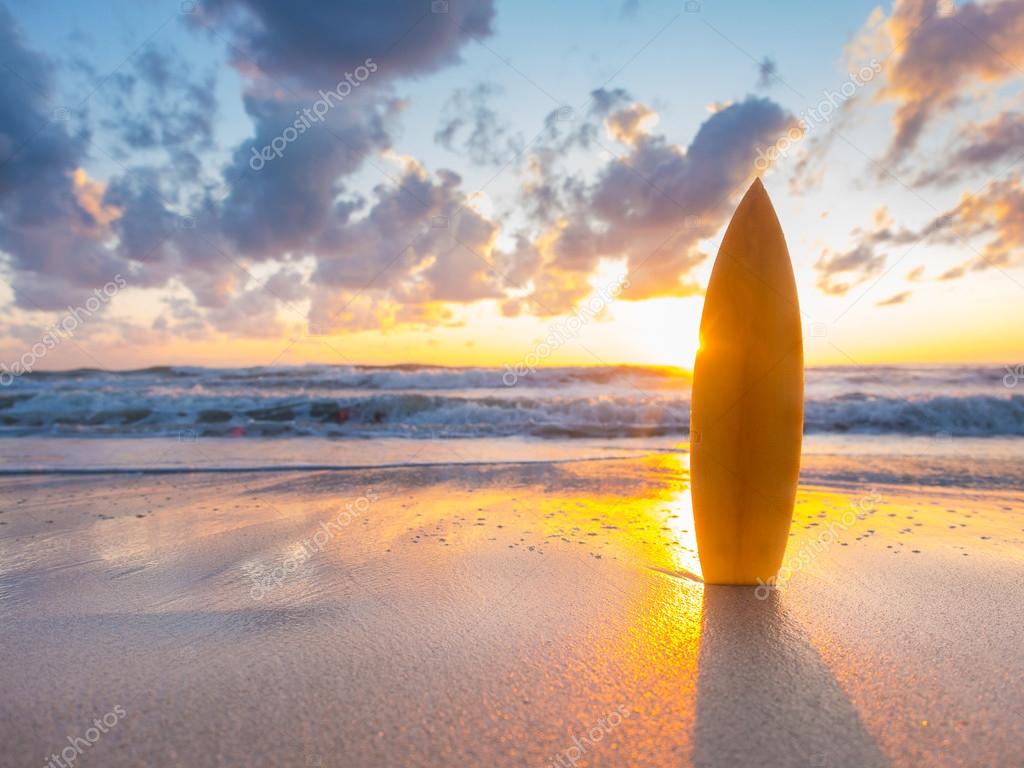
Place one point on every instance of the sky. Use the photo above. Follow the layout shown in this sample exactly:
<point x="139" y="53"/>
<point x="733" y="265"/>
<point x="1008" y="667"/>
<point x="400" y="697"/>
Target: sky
<point x="250" y="182"/>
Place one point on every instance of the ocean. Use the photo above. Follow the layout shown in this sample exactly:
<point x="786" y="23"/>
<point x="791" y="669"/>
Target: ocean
<point x="178" y="418"/>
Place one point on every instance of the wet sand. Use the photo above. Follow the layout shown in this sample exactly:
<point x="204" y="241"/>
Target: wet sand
<point x="499" y="615"/>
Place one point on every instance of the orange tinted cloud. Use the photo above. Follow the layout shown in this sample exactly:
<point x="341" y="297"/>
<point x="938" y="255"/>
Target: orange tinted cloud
<point x="937" y="50"/>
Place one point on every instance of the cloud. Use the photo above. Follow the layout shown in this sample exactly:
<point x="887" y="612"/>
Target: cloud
<point x="993" y="217"/>
<point x="293" y="204"/>
<point x="66" y="233"/>
<point x="521" y="262"/>
<point x="979" y="148"/>
<point x="653" y="204"/>
<point x="604" y="100"/>
<point x="283" y="205"/>
<point x="839" y="272"/>
<point x="145" y="227"/>
<point x="899" y="298"/>
<point x="939" y="52"/>
<point x="259" y="238"/>
<point x="252" y="312"/>
<point x="296" y="205"/>
<point x="629" y="124"/>
<point x="52" y="221"/>
<point x="315" y="43"/>
<point x="916" y="274"/>
<point x="629" y="9"/>
<point x="154" y="103"/>
<point x="157" y="224"/>
<point x="767" y="73"/>
<point x="420" y="242"/>
<point x="471" y="126"/>
<point x="934" y="57"/>
<point x="953" y="273"/>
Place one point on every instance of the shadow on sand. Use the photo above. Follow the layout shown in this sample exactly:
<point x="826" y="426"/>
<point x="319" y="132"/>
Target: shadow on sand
<point x="764" y="695"/>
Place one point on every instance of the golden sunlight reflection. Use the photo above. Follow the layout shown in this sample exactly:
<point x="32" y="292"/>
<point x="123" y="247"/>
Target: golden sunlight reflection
<point x="653" y="526"/>
<point x="680" y="523"/>
<point x="671" y="515"/>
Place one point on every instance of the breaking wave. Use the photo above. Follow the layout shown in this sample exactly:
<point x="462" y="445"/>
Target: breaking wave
<point x="437" y="402"/>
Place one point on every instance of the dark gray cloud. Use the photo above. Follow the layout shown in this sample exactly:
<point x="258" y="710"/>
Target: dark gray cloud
<point x="767" y="72"/>
<point x="419" y="243"/>
<point x="414" y="245"/>
<point x="604" y="100"/>
<point x="155" y="103"/>
<point x="472" y="127"/>
<point x="284" y="204"/>
<point x="67" y="234"/>
<point x="156" y="223"/>
<point x="157" y="68"/>
<point x="295" y="203"/>
<point x="316" y="42"/>
<point x="48" y="224"/>
<point x="146" y="226"/>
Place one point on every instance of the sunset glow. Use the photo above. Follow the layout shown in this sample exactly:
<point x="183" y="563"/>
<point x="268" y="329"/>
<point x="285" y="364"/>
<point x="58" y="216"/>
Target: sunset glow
<point x="479" y="211"/>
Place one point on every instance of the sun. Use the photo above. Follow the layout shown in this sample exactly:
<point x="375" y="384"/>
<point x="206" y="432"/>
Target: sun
<point x="659" y="331"/>
<point x="662" y="331"/>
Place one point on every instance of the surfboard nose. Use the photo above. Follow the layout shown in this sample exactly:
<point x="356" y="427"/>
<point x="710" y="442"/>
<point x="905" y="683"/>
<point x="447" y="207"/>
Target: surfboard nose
<point x="756" y="204"/>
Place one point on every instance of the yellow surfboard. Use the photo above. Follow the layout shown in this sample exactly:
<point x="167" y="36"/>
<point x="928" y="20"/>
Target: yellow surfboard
<point x="746" y="421"/>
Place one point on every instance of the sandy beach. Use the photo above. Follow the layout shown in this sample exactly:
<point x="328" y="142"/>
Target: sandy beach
<point x="541" y="614"/>
<point x="367" y="371"/>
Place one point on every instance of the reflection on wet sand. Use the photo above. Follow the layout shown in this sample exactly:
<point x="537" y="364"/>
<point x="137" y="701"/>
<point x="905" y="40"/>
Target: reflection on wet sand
<point x="496" y="615"/>
<point x="762" y="689"/>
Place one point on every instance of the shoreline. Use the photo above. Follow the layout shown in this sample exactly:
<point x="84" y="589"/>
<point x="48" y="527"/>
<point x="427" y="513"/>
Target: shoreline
<point x="991" y="464"/>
